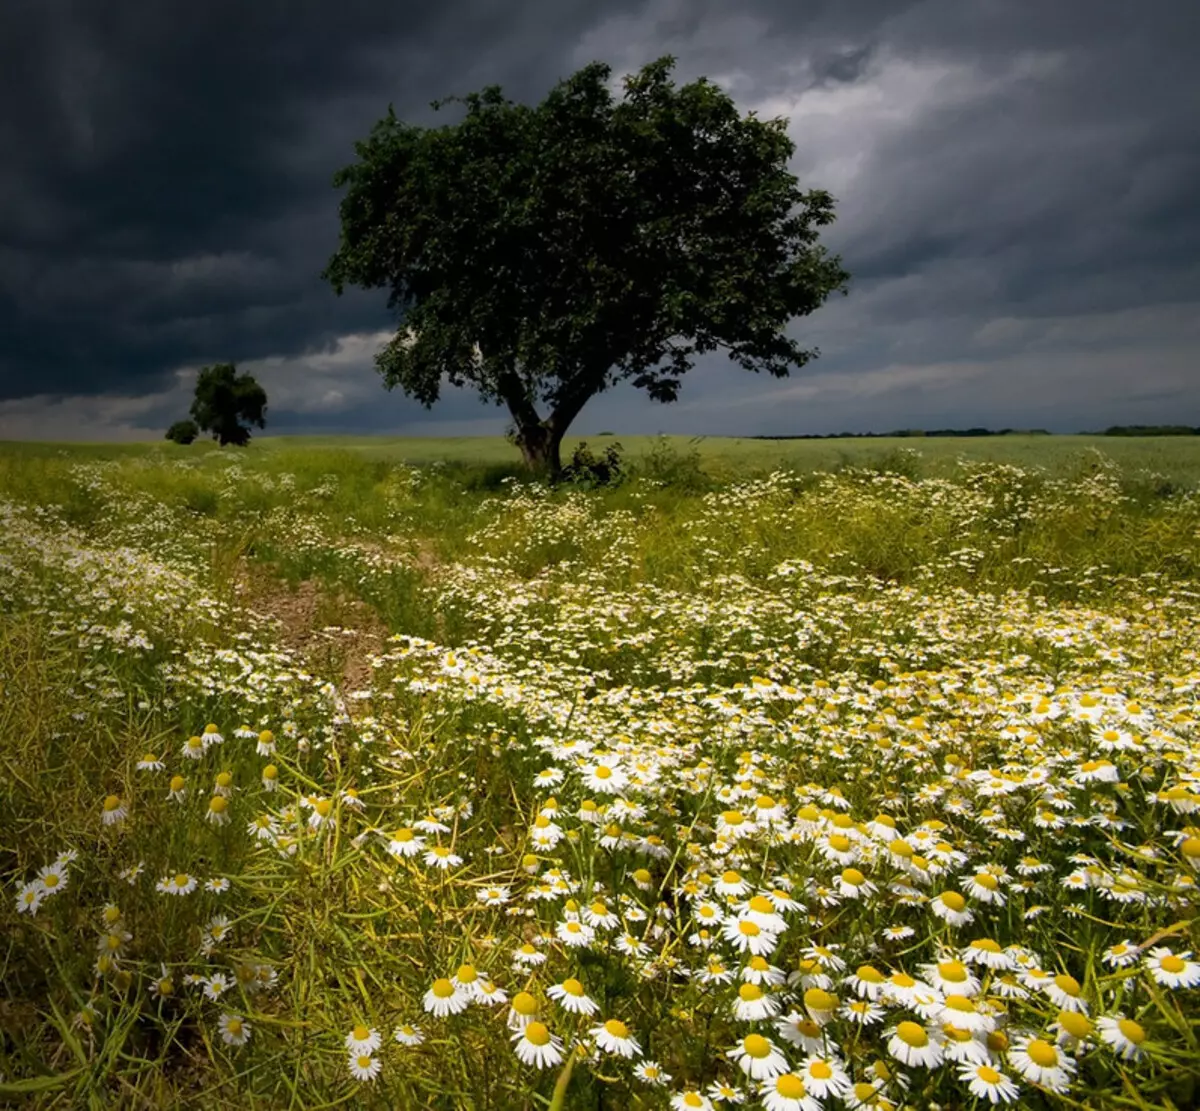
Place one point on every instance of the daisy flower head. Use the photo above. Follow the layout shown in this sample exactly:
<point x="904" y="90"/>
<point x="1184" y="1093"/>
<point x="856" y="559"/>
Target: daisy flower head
<point x="270" y="777"/>
<point x="522" y="1010"/>
<point x="265" y="743"/>
<point x="407" y="1034"/>
<point x="986" y="888"/>
<point x="964" y="1012"/>
<point x="691" y="1100"/>
<point x="614" y="1037"/>
<point x="800" y="1030"/>
<point x="442" y="858"/>
<point x="150" y="763"/>
<point x="362" y="1040"/>
<point x="466" y="979"/>
<point x="113" y="811"/>
<point x="444" y="998"/>
<point x="761" y="910"/>
<point x="867" y="982"/>
<point x="753" y="1004"/>
<point x="235" y="1030"/>
<point x="760" y="971"/>
<point x="1125" y="1036"/>
<point x="1071" y="1028"/>
<point x="211" y="736"/>
<point x="218" y="810"/>
<point x="821" y="1005"/>
<point x="405" y="843"/>
<point x="364" y="1066"/>
<point x="916" y="1045"/>
<point x="606" y="777"/>
<point x="986" y="952"/>
<point x="748" y="936"/>
<point x="951" y="977"/>
<point x="536" y="1046"/>
<point x="730" y="885"/>
<point x="1065" y="993"/>
<point x="52" y="879"/>
<point x="721" y="1092"/>
<point x="193" y="748"/>
<point x="1172" y="970"/>
<point x="29" y="898"/>
<point x="951" y="908"/>
<point x="181" y="883"/>
<point x="824" y="1077"/>
<point x="1041" y="1062"/>
<point x="986" y="1082"/>
<point x="570" y="995"/>
<point x="786" y="1092"/>
<point x="652" y="1073"/>
<point x="575" y="934"/>
<point x="758" y="1057"/>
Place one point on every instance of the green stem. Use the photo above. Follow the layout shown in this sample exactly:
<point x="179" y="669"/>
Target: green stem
<point x="564" y="1078"/>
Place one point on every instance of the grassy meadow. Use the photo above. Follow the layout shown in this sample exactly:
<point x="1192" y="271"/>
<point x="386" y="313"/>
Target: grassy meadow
<point x="781" y="774"/>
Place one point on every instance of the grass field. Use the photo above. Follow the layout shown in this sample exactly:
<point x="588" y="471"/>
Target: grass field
<point x="366" y="772"/>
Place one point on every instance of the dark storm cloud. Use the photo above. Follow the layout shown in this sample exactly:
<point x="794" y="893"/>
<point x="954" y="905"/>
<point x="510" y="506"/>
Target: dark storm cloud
<point x="1015" y="181"/>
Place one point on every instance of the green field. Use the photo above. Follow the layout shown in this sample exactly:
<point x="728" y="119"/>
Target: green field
<point x="1177" y="457"/>
<point x="369" y="772"/>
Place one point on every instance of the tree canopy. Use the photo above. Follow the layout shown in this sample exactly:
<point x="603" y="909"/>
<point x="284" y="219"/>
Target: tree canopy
<point x="224" y="400"/>
<point x="543" y="254"/>
<point x="182" y="432"/>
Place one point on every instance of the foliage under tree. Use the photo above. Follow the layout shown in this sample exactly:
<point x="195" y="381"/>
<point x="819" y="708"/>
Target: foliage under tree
<point x="183" y="432"/>
<point x="224" y="400"/>
<point x="541" y="255"/>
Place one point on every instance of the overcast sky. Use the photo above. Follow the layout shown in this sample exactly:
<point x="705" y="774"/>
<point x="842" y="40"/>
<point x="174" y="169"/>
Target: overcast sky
<point x="1016" y="186"/>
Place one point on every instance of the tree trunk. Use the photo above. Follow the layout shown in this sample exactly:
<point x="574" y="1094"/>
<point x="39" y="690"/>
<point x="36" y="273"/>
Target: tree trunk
<point x="540" y="447"/>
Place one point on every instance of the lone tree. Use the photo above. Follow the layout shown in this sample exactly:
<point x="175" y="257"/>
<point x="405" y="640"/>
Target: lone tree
<point x="224" y="399"/>
<point x="182" y="432"/>
<point x="544" y="254"/>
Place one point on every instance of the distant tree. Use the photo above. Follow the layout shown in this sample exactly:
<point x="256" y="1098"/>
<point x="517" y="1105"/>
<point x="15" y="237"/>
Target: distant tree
<point x="183" y="431"/>
<point x="541" y="255"/>
<point x="224" y="399"/>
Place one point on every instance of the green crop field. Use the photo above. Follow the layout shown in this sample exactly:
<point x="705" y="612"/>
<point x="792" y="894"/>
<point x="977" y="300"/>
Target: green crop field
<point x="789" y="774"/>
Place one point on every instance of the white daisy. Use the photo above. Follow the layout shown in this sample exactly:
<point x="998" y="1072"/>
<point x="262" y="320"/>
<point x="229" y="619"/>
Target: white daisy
<point x="364" y="1066"/>
<point x="614" y="1037"/>
<point x="363" y="1040"/>
<point x="235" y="1030"/>
<point x="535" y="1045"/>
<point x="1124" y="1035"/>
<point x="758" y="1058"/>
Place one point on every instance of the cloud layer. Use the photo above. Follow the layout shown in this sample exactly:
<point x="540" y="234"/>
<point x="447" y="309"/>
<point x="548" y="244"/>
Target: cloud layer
<point x="1015" y="186"/>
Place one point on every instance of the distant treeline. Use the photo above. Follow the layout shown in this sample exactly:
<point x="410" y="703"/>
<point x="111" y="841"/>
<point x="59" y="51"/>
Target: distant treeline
<point x="1115" y="430"/>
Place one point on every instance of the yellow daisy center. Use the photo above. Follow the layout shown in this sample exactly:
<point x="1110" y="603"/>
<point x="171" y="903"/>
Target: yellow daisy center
<point x="756" y="1046"/>
<point x="1132" y="1031"/>
<point x="616" y="1028"/>
<point x="912" y="1034"/>
<point x="1042" y="1053"/>
<point x="1075" y="1024"/>
<point x="817" y="1000"/>
<point x="537" y="1034"/>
